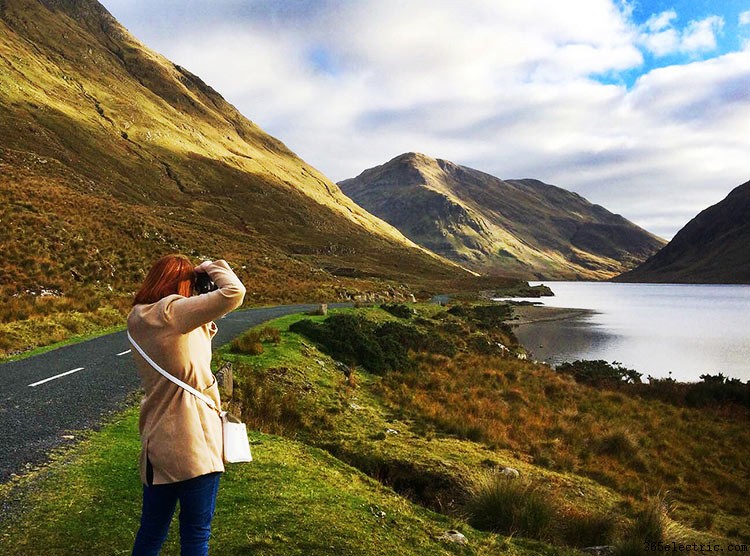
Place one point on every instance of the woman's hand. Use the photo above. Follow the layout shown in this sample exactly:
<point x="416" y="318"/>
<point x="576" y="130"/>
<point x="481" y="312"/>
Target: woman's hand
<point x="203" y="266"/>
<point x="191" y="312"/>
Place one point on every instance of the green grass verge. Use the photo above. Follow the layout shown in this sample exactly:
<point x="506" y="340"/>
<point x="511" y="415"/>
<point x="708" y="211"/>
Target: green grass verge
<point x="340" y="468"/>
<point x="292" y="500"/>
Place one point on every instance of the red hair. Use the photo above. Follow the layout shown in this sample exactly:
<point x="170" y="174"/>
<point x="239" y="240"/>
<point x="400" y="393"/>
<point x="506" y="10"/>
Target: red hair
<point x="169" y="275"/>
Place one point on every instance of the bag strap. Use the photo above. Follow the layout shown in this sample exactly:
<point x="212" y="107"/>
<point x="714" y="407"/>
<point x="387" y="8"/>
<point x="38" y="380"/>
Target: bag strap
<point x="173" y="378"/>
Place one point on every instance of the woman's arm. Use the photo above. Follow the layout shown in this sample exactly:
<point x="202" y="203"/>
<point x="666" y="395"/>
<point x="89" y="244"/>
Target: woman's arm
<point x="188" y="313"/>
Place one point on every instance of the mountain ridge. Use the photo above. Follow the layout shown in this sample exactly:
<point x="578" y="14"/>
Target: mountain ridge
<point x="524" y="227"/>
<point x="111" y="155"/>
<point x="711" y="248"/>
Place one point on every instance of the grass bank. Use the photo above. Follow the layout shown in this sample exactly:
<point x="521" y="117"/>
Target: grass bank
<point x="292" y="500"/>
<point x="35" y="334"/>
<point x="354" y="457"/>
<point x="432" y="427"/>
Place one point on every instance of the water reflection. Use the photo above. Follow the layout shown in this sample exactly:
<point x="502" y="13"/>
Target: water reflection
<point x="687" y="330"/>
<point x="559" y="340"/>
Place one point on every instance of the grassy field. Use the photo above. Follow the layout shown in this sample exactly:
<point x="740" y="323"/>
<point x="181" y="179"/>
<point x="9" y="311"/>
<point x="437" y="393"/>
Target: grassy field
<point x="292" y="500"/>
<point x="353" y="462"/>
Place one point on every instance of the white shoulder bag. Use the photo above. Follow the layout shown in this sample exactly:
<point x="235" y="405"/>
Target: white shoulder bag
<point x="234" y="431"/>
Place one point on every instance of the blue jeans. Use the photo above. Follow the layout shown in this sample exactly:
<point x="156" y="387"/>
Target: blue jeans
<point x="197" y="499"/>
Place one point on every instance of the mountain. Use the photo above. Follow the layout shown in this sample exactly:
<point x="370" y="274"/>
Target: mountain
<point x="711" y="249"/>
<point x="524" y="227"/>
<point x="111" y="155"/>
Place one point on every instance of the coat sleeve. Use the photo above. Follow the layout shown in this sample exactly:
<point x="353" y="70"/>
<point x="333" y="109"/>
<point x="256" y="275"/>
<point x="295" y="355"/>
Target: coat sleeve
<point x="188" y="313"/>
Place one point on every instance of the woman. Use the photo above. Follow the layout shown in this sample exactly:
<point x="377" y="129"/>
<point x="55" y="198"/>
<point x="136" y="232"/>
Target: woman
<point x="181" y="440"/>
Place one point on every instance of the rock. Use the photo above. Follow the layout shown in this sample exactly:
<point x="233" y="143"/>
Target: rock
<point x="225" y="380"/>
<point x="454" y="537"/>
<point x="391" y="431"/>
<point x="377" y="512"/>
<point x="502" y="348"/>
<point x="603" y="550"/>
<point x="343" y="367"/>
<point x="346" y="369"/>
<point x="509" y="472"/>
<point x="321" y="309"/>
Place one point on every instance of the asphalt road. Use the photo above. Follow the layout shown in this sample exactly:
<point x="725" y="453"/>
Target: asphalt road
<point x="46" y="398"/>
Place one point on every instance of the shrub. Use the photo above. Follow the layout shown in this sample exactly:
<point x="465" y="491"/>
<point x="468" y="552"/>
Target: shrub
<point x="508" y="505"/>
<point x="435" y="341"/>
<point x="491" y="316"/>
<point x="398" y="310"/>
<point x="458" y="311"/>
<point x="347" y="338"/>
<point x="716" y="389"/>
<point x="484" y="317"/>
<point x="479" y="343"/>
<point x="713" y="390"/>
<point x="599" y="373"/>
<point x="355" y="340"/>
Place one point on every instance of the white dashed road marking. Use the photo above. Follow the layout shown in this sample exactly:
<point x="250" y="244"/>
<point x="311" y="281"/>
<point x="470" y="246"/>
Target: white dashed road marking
<point x="57" y="376"/>
<point x="70" y="372"/>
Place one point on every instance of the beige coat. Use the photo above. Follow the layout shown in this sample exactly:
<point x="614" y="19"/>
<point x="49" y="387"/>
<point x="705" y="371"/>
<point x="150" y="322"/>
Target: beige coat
<point x="181" y="435"/>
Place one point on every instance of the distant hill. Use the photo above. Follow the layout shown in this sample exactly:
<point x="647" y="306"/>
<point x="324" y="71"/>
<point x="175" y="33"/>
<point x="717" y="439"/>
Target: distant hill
<point x="111" y="155"/>
<point x="524" y="227"/>
<point x="713" y="248"/>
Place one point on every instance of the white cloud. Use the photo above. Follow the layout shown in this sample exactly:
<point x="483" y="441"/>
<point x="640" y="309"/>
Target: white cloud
<point x="660" y="22"/>
<point x="701" y="35"/>
<point x="662" y="43"/>
<point x="744" y="29"/>
<point x="504" y="87"/>
<point x="660" y="36"/>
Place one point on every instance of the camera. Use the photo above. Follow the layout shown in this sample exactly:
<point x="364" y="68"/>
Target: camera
<point x="203" y="283"/>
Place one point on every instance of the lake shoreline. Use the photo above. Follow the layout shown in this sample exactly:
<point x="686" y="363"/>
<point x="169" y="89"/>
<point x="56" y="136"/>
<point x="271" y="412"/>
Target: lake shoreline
<point x="680" y="332"/>
<point x="533" y="313"/>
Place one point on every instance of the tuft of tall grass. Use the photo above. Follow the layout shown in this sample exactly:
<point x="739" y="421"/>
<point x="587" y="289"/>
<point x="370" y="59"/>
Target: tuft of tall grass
<point x="277" y="401"/>
<point x="508" y="505"/>
<point x="618" y="443"/>
<point x="651" y="524"/>
<point x="580" y="529"/>
<point x="248" y="343"/>
<point x="251" y="342"/>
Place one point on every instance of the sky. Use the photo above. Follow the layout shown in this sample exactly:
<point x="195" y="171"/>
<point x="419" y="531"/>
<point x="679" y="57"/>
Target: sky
<point x="641" y="106"/>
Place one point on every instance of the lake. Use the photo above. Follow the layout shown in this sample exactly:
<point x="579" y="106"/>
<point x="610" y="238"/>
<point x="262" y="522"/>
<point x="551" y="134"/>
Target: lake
<point x="656" y="329"/>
